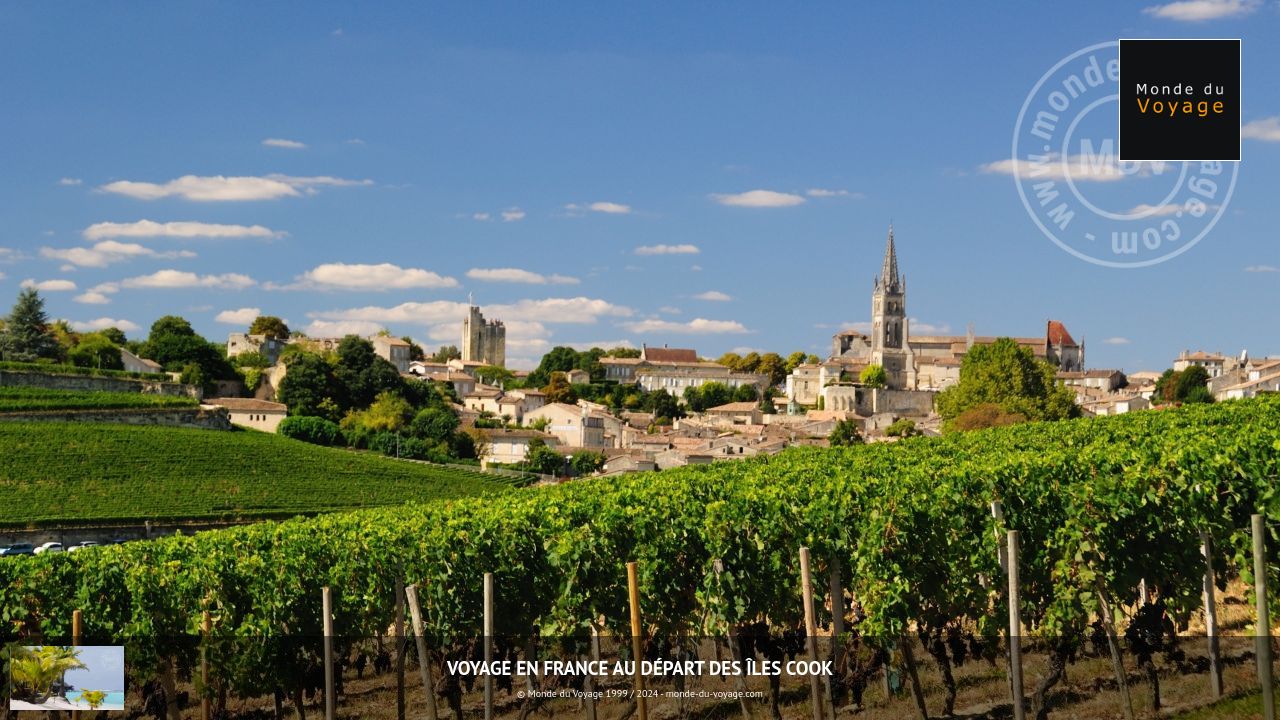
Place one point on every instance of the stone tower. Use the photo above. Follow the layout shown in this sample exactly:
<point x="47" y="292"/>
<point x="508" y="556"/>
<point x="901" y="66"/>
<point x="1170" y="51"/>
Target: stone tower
<point x="889" y="347"/>
<point x="483" y="340"/>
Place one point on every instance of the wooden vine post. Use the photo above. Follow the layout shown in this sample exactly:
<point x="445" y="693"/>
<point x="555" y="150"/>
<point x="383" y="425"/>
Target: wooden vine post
<point x="1015" y="627"/>
<point x="488" y="646"/>
<point x="1211" y="616"/>
<point x="1263" y="630"/>
<point x="637" y="640"/>
<point x="836" y="594"/>
<point x="811" y="630"/>
<point x="424" y="663"/>
<point x="1104" y="614"/>
<point x="206" y="628"/>
<point x="77" y="637"/>
<point x="326" y="604"/>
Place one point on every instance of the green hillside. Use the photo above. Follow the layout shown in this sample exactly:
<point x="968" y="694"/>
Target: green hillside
<point x="24" y="399"/>
<point x="56" y="473"/>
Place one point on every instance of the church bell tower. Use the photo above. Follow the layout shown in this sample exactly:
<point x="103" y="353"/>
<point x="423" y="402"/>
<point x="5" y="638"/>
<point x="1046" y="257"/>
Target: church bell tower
<point x="889" y="348"/>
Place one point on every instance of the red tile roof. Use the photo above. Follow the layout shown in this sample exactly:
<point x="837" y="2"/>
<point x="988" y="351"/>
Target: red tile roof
<point x="669" y="354"/>
<point x="1058" y="334"/>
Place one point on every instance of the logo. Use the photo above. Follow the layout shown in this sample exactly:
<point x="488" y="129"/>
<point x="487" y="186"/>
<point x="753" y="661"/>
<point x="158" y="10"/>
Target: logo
<point x="1067" y="168"/>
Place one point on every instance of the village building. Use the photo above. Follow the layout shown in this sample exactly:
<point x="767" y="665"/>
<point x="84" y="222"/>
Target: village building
<point x="393" y="350"/>
<point x="133" y="363"/>
<point x="511" y="447"/>
<point x="248" y="412"/>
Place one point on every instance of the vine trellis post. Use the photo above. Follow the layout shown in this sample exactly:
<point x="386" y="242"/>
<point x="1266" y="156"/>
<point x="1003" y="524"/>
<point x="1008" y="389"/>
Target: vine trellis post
<point x="326" y="604"/>
<point x="1015" y="629"/>
<point x="811" y="632"/>
<point x="424" y="663"/>
<point x="1211" y="616"/>
<point x="1263" y="630"/>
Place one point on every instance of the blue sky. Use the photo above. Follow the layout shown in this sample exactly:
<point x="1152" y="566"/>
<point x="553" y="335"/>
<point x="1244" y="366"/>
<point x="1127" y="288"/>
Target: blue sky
<point x="104" y="669"/>
<point x="353" y="166"/>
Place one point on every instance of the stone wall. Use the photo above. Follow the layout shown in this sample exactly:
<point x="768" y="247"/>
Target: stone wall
<point x="902" y="402"/>
<point x="106" y="532"/>
<point x="204" y="417"/>
<point x="89" y="383"/>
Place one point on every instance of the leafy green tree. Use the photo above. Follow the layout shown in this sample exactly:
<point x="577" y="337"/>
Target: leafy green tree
<point x="623" y="352"/>
<point x="387" y="413"/>
<point x="434" y="423"/>
<point x="586" y="462"/>
<point x="445" y="354"/>
<point x="415" y="350"/>
<point x="175" y="345"/>
<point x="795" y="360"/>
<point x="251" y="359"/>
<point x="115" y="335"/>
<point x="27" y="335"/>
<point x="774" y="366"/>
<point x="269" y="325"/>
<point x="766" y="402"/>
<point x="310" y="387"/>
<point x="902" y="427"/>
<point x="745" y="393"/>
<point x="1009" y="376"/>
<point x="315" y="430"/>
<point x="730" y="360"/>
<point x="709" y="395"/>
<point x="1192" y="386"/>
<point x="873" y="376"/>
<point x="542" y="459"/>
<point x="558" y="390"/>
<point x="558" y="359"/>
<point x="363" y="373"/>
<point x="986" y="415"/>
<point x="844" y="434"/>
<point x="663" y="405"/>
<point x="66" y="336"/>
<point x="95" y="350"/>
<point x="493" y="375"/>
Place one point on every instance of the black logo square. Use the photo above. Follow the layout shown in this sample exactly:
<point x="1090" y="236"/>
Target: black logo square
<point x="1179" y="100"/>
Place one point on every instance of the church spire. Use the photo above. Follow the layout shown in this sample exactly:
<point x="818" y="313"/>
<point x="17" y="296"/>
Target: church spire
<point x="889" y="278"/>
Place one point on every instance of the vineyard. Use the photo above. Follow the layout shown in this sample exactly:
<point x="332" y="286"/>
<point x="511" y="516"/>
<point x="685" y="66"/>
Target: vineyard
<point x="1102" y="506"/>
<point x="68" y="474"/>
<point x="76" y="370"/>
<point x="25" y="399"/>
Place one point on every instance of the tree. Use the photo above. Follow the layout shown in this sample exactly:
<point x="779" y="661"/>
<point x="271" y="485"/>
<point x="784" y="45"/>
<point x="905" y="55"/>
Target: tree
<point x="902" y="427"/>
<point x="1010" y="377"/>
<point x="96" y="351"/>
<point x="388" y="413"/>
<point x="115" y="335"/>
<point x="434" y="423"/>
<point x="795" y="360"/>
<point x="745" y="393"/>
<point x="709" y="395"/>
<point x="315" y="430"/>
<point x="445" y="354"/>
<point x="766" y="402"/>
<point x="586" y="462"/>
<point x="845" y="433"/>
<point x="175" y="345"/>
<point x="66" y="336"/>
<point x="986" y="415"/>
<point x="363" y="373"/>
<point x="416" y="353"/>
<point x="774" y="366"/>
<point x="664" y="405"/>
<point x="269" y="325"/>
<point x="1193" y="385"/>
<point x="493" y="375"/>
<point x="311" y="388"/>
<point x="542" y="459"/>
<point x="558" y="390"/>
<point x="560" y="359"/>
<point x="27" y="336"/>
<point x="873" y="376"/>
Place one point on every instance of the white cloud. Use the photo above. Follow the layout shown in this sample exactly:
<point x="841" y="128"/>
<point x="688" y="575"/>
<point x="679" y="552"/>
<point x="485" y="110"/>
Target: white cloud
<point x="516" y="275"/>
<point x="1267" y="129"/>
<point x="668" y="309"/>
<point x="49" y="285"/>
<point x="2" y="276"/>
<point x="1162" y="210"/>
<point x="481" y="216"/>
<point x="92" y="297"/>
<point x="150" y="228"/>
<point x="575" y="310"/>
<point x="713" y="296"/>
<point x="1116" y="341"/>
<point x="243" y="316"/>
<point x="384" y="276"/>
<point x="603" y="344"/>
<point x="1080" y="168"/>
<point x="512" y="214"/>
<point x="1197" y="10"/>
<point x="354" y="141"/>
<point x="667" y="250"/>
<point x="9" y="255"/>
<point x="107" y="252"/>
<point x="341" y="328"/>
<point x="1262" y="269"/>
<point x="758" y="199"/>
<point x="283" y="143"/>
<point x="103" y="323"/>
<point x="610" y="207"/>
<point x="697" y="326"/>
<point x="825" y="193"/>
<point x="179" y="279"/>
<point x="219" y="188"/>
<point x="70" y="181"/>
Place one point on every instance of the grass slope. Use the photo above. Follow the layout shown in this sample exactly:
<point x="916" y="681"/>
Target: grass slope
<point x="80" y="473"/>
<point x="25" y="399"/>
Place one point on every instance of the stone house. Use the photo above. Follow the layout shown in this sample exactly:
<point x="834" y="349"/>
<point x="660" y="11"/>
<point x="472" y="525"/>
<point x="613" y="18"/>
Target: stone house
<point x="510" y="447"/>
<point x="247" y="412"/>
<point x="133" y="363"/>
<point x="393" y="350"/>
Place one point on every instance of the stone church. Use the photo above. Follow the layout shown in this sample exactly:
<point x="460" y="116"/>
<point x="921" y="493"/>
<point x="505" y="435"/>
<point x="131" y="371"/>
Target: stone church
<point x="913" y="362"/>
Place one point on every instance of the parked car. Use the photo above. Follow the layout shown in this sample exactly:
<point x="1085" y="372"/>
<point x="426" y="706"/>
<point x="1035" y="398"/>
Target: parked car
<point x="49" y="547"/>
<point x="18" y="549"/>
<point x="82" y="545"/>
